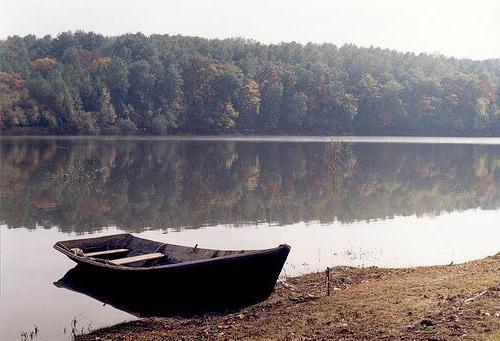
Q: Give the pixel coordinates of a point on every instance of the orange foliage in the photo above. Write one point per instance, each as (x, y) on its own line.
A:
(11, 188)
(44, 203)
(252, 180)
(86, 57)
(13, 80)
(486, 184)
(99, 62)
(489, 89)
(44, 64)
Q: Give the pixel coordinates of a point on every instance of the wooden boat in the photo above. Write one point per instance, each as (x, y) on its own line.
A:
(165, 279)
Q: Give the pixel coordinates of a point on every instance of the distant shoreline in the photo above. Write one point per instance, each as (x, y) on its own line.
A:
(133, 84)
(271, 138)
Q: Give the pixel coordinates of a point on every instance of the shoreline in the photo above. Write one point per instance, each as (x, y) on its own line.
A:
(422, 303)
(482, 140)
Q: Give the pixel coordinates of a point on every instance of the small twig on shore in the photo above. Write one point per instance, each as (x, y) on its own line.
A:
(328, 284)
(475, 297)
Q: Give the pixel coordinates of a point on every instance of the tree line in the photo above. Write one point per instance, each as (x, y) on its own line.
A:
(86, 83)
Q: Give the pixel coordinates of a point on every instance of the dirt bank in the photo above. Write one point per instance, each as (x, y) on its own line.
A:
(427, 303)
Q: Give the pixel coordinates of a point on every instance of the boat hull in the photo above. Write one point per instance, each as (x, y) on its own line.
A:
(210, 285)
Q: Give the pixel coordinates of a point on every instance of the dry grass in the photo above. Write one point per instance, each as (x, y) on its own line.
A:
(427, 303)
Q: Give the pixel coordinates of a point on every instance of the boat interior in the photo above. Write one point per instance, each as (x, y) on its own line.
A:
(130, 251)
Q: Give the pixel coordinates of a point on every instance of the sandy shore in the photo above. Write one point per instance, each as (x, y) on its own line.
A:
(425, 303)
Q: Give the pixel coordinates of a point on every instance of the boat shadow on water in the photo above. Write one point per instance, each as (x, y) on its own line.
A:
(142, 300)
(217, 284)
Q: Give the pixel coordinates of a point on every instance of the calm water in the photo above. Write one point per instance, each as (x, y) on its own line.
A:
(359, 201)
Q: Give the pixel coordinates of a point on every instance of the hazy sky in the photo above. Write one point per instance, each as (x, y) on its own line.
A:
(460, 28)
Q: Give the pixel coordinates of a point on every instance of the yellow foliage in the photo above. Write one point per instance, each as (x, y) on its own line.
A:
(44, 64)
(13, 80)
(100, 62)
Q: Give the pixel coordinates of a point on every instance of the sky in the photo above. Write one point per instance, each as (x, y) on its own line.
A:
(458, 28)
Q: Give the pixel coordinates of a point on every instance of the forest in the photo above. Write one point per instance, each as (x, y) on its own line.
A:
(83, 83)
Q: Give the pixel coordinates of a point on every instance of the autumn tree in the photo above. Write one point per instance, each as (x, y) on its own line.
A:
(86, 83)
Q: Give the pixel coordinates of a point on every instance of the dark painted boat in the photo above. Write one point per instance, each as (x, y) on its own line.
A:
(150, 278)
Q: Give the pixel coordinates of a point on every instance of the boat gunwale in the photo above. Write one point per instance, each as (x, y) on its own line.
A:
(63, 249)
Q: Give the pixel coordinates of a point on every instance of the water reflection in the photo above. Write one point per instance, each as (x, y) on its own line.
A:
(84, 185)
(336, 204)
(145, 298)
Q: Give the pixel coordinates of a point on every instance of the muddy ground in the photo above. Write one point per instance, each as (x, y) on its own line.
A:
(426, 303)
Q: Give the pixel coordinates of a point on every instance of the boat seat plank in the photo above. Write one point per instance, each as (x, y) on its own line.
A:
(133, 259)
(106, 252)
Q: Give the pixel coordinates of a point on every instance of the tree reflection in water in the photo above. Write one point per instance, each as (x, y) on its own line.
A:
(84, 185)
